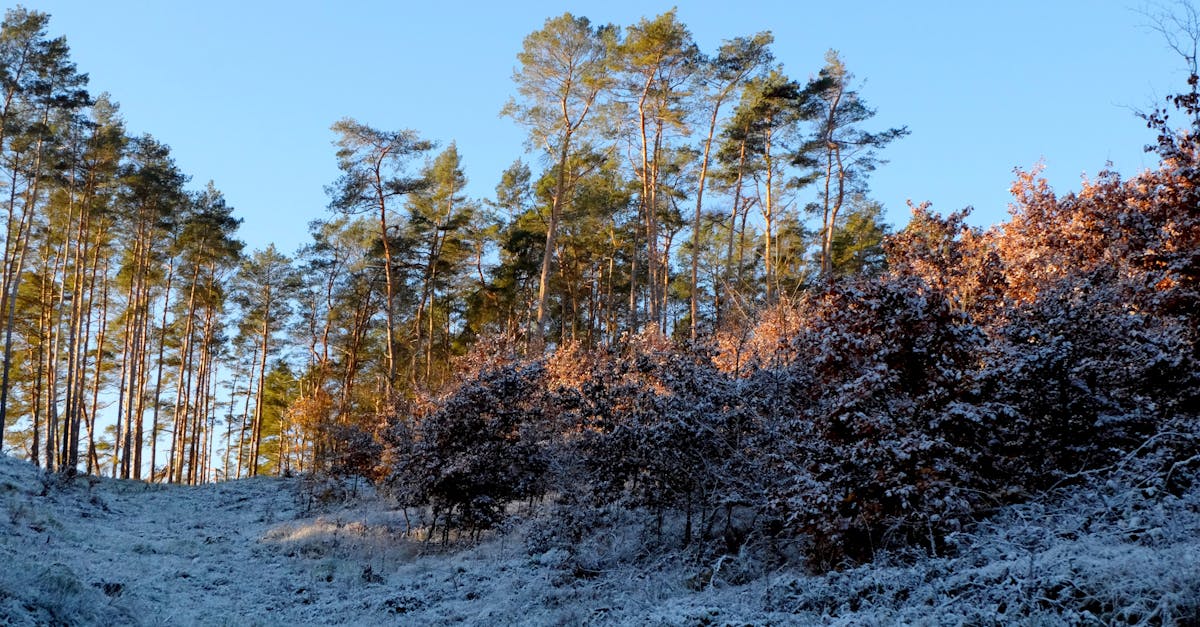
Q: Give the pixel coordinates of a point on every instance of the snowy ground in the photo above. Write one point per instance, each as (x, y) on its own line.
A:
(272, 551)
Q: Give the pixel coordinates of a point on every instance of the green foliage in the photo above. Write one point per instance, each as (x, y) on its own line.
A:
(279, 392)
(561, 73)
(857, 246)
(372, 164)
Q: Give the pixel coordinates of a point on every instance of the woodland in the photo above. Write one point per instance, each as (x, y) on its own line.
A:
(683, 306)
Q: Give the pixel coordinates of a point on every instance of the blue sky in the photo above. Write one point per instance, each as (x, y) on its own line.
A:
(244, 92)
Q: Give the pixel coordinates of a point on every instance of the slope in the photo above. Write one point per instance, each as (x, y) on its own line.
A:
(271, 551)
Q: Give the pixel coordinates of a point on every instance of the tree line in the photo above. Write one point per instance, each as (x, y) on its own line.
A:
(887, 412)
(125, 294)
(677, 189)
(692, 315)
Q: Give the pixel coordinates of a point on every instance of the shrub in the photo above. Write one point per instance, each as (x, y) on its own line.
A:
(479, 449)
(873, 437)
(1086, 377)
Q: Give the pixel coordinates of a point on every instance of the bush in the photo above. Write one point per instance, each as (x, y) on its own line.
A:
(873, 434)
(478, 450)
(1085, 378)
(652, 430)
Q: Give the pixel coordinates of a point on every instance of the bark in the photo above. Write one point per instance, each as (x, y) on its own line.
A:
(256, 440)
(101, 334)
(831, 205)
(712, 129)
(556, 201)
(158, 380)
(182, 385)
(13, 276)
(390, 287)
(737, 200)
(246, 415)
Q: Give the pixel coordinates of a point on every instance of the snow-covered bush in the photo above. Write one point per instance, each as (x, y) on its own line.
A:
(874, 438)
(864, 414)
(952, 258)
(354, 452)
(651, 428)
(480, 448)
(1083, 378)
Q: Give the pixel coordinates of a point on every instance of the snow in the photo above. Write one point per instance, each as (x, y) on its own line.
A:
(288, 551)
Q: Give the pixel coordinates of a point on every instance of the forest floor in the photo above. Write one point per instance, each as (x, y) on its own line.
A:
(276, 551)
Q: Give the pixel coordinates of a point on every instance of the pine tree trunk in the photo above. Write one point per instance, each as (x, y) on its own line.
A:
(158, 380)
(389, 298)
(97, 377)
(694, 307)
(182, 385)
(737, 200)
(12, 285)
(556, 202)
(246, 420)
(262, 379)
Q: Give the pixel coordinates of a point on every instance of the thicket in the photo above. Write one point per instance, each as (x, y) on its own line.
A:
(869, 413)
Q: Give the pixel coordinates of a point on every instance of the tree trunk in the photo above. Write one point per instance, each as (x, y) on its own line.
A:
(158, 380)
(101, 335)
(246, 414)
(390, 291)
(262, 380)
(768, 210)
(556, 202)
(712, 129)
(737, 200)
(182, 386)
(829, 208)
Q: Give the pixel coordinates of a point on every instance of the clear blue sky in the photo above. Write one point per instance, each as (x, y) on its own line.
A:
(244, 91)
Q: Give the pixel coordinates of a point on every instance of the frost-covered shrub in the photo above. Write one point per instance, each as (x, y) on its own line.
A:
(865, 414)
(480, 448)
(652, 430)
(570, 366)
(1084, 378)
(874, 436)
(587, 538)
(767, 344)
(354, 452)
(488, 352)
(1145, 231)
(952, 258)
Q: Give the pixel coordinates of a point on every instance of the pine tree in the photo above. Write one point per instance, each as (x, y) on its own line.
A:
(843, 153)
(439, 219)
(721, 77)
(372, 164)
(150, 199)
(763, 130)
(656, 62)
(561, 77)
(265, 287)
(39, 83)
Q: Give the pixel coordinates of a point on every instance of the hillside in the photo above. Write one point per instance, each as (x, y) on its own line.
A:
(271, 551)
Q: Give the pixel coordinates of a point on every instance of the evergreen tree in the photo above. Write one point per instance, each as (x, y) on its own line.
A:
(373, 175)
(150, 200)
(562, 74)
(656, 62)
(764, 128)
(720, 78)
(842, 153)
(440, 219)
(40, 84)
(264, 290)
